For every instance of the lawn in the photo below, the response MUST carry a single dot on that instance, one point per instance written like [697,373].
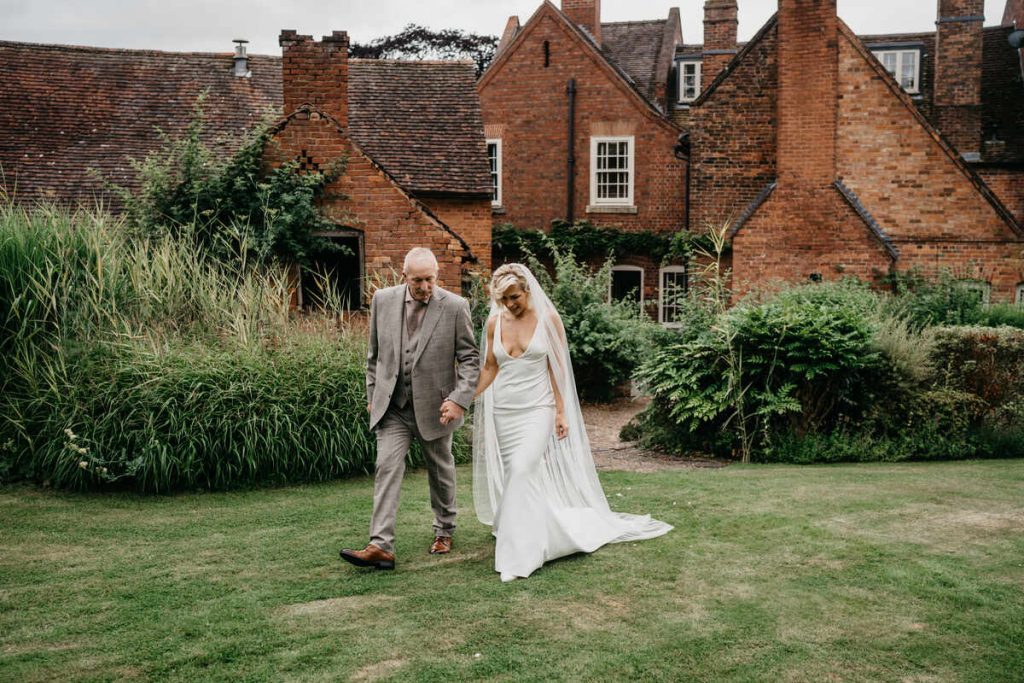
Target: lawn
[909,572]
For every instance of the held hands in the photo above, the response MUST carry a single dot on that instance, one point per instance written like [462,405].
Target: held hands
[561,426]
[451,411]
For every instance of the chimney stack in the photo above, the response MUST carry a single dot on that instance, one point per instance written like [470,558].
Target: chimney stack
[316,73]
[807,101]
[958,42]
[720,36]
[241,58]
[585,13]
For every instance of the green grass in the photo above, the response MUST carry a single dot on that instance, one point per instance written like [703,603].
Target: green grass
[909,572]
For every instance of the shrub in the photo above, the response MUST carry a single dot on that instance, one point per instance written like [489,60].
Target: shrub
[987,362]
[797,362]
[605,337]
[925,302]
[148,366]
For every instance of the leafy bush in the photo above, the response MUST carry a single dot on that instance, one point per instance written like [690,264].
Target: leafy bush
[147,366]
[605,338]
[987,362]
[945,301]
[797,362]
[185,191]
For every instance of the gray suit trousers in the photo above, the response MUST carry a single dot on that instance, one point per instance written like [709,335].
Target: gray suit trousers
[395,433]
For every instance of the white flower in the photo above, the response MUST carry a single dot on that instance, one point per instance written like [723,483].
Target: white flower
[84,465]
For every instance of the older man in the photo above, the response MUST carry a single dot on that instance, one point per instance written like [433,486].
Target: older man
[421,370]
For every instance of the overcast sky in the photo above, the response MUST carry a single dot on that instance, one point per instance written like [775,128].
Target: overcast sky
[210,25]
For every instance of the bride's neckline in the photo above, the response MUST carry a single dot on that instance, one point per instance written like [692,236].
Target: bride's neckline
[526,348]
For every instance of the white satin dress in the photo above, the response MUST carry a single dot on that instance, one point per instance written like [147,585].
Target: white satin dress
[530,526]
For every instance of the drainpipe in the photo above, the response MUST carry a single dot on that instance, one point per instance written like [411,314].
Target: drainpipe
[570,90]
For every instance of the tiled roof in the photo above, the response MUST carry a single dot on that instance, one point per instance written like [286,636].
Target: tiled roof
[421,122]
[634,46]
[66,111]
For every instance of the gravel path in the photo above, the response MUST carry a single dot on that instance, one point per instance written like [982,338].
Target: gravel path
[611,453]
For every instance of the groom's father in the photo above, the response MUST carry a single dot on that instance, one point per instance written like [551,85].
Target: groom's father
[421,370]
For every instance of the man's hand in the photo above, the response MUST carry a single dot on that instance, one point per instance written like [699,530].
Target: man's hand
[451,411]
[369,407]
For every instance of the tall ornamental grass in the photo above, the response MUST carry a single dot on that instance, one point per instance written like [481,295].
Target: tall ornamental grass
[145,365]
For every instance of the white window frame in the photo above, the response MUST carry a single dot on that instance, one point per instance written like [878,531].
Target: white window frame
[624,268]
[980,286]
[899,54]
[495,173]
[1019,298]
[697,65]
[662,304]
[630,170]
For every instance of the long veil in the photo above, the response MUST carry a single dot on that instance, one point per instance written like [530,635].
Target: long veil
[569,475]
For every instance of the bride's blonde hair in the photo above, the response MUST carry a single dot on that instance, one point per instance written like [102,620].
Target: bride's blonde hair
[508,275]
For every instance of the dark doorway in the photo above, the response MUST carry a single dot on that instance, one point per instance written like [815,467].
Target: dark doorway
[335,276]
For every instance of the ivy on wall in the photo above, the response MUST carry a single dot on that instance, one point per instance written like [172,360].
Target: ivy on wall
[588,241]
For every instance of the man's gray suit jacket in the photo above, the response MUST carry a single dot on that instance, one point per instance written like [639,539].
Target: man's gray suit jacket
[445,365]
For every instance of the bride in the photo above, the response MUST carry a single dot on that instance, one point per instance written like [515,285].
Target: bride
[534,479]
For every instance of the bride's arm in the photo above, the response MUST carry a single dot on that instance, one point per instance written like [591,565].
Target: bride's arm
[490,368]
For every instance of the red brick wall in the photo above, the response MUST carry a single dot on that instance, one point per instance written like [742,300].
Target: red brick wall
[526,105]
[1014,12]
[586,13]
[922,199]
[472,221]
[316,73]
[733,136]
[802,231]
[364,198]
[807,73]
[720,36]
[957,96]
[1008,184]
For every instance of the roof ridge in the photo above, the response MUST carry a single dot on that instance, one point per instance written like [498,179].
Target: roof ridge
[428,62]
[131,50]
[633,21]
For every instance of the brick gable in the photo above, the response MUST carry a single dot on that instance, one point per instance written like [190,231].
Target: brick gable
[860,184]
[525,103]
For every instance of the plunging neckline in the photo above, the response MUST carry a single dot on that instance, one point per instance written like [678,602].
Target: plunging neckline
[501,342]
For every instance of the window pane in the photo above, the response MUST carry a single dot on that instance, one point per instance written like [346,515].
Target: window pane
[626,285]
[889,62]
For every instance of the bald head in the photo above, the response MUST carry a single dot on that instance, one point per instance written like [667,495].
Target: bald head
[420,272]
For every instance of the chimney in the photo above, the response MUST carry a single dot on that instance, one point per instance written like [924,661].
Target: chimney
[958,39]
[720,37]
[585,13]
[241,59]
[807,106]
[316,73]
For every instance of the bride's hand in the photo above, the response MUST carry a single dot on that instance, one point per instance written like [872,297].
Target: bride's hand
[561,426]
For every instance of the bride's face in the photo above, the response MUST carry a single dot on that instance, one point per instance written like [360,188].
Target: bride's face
[515,300]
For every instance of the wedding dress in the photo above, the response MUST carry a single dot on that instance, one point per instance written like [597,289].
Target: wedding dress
[540,494]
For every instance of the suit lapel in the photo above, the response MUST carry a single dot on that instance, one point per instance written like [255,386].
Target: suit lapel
[430,318]
[396,322]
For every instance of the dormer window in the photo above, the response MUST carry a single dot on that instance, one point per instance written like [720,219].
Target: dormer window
[904,65]
[689,80]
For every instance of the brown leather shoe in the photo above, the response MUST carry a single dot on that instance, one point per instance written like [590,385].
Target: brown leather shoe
[442,545]
[370,556]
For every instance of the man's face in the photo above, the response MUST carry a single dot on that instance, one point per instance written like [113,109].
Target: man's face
[421,276]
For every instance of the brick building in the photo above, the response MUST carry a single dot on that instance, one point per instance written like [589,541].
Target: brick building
[829,154]
[411,134]
[576,114]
